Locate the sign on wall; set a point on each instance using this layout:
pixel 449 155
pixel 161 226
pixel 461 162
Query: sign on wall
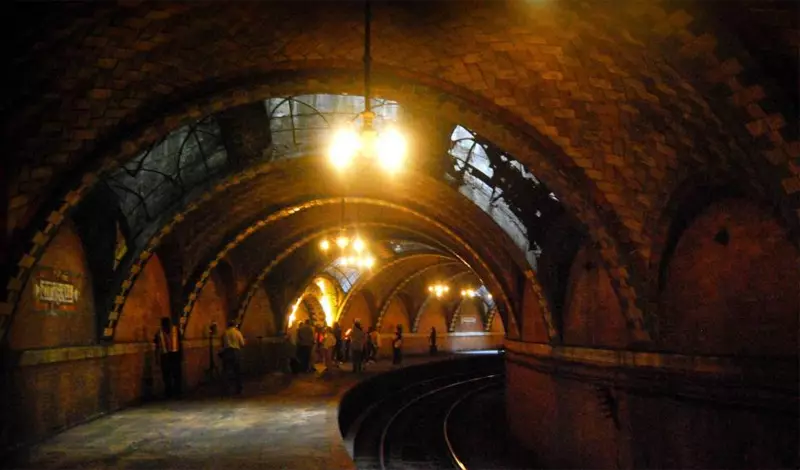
pixel 468 319
pixel 55 289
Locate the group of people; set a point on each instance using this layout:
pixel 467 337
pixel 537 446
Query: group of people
pixel 334 346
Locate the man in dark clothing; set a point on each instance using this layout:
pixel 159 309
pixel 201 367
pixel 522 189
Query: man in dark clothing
pixel 168 354
pixel 305 341
pixel 357 340
pixel 337 349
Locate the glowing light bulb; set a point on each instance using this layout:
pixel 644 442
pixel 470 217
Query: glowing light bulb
pixel 430 288
pixel 344 147
pixel 324 245
pixel 489 296
pixel 342 241
pixel 358 245
pixel 370 261
pixel 391 149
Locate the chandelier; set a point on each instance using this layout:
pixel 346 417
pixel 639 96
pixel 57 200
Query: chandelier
pixel 469 293
pixel 439 289
pixel 388 147
pixel 351 250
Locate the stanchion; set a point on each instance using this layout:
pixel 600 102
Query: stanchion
pixel 212 373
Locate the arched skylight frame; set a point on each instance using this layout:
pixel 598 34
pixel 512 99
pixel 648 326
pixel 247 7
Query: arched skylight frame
pixel 302 122
pixel 474 172
pixel 346 276
pixel 168 174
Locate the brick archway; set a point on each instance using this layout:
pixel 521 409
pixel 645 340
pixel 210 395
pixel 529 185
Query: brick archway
pixel 555 93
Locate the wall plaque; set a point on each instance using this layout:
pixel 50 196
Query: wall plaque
pixel 468 319
pixel 55 289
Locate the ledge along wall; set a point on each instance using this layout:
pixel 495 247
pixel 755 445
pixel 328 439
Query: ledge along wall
pixel 56 374
pixel 719 387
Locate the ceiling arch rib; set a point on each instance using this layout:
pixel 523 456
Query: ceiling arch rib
pixel 487 305
pixel 246 203
pixel 402 284
pixel 315 270
pixel 386 268
pixel 75 196
pixel 266 90
pixel 178 75
pixel 288 251
pixel 429 297
pixel 463 246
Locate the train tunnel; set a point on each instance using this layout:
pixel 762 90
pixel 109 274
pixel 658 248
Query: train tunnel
pixel 608 193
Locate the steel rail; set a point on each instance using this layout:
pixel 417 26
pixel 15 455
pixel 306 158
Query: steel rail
pixel 385 432
pixel 453 456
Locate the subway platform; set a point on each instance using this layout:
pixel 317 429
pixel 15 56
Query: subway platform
pixel 279 422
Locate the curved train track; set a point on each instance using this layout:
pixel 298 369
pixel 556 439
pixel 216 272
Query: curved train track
pixel 408 429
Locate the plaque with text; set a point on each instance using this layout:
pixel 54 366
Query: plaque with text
pixel 55 290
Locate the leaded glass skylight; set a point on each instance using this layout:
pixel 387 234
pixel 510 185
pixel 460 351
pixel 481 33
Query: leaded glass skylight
pixel 302 122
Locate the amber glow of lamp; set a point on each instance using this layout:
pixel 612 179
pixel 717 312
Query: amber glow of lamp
pixel 388 147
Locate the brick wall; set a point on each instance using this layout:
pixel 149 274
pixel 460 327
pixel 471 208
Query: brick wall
pixel 358 308
pixel 555 407
pixel 147 303
pixel 396 314
pixel 259 319
pixel 415 344
pixel 469 318
pixel 592 315
pixel 48 325
pixel 560 419
pixel 433 314
pixel 533 327
pixel 732 285
pixel 210 306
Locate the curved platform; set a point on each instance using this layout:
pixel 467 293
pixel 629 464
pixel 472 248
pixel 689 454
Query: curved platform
pixel 279 422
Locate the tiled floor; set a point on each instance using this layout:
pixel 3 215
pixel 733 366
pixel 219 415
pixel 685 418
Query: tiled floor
pixel 280 422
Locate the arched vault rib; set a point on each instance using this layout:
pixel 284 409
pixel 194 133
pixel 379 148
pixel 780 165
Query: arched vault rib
pixel 400 285
pixel 364 281
pixel 639 31
pixel 287 252
pixel 457 313
pixel 421 309
pixel 286 212
pixel 517 142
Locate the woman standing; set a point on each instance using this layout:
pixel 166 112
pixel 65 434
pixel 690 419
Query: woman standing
pixel 397 345
pixel 432 342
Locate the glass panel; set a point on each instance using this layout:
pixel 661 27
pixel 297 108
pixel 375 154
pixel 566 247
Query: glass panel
pixel 157 179
pixel 304 121
pixel 475 172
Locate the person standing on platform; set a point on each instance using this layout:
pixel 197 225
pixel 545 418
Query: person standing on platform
pixel 357 340
pixel 328 343
pixel 337 349
pixel 168 349
pixel 432 342
pixel 375 341
pixel 305 341
pixel 397 346
pixel 232 344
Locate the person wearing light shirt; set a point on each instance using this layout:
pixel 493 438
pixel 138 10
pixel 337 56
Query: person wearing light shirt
pixel 232 344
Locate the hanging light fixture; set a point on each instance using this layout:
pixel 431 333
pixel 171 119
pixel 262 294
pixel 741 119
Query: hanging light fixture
pixel 468 292
pixel 388 147
pixel 350 249
pixel 439 288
